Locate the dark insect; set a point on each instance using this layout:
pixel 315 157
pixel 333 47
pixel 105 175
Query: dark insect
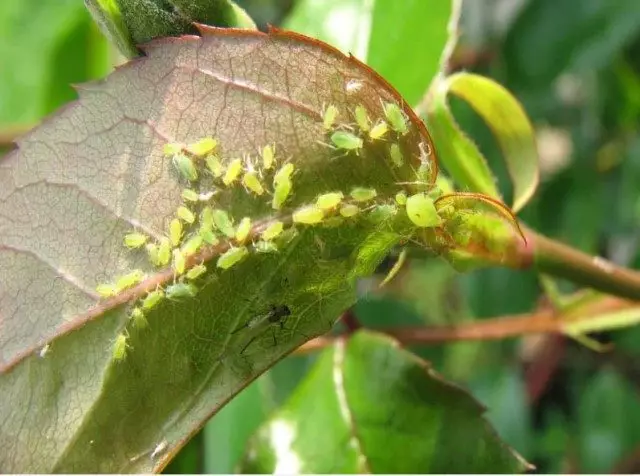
pixel 277 314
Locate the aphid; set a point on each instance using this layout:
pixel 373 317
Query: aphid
pixel 190 195
pixel 396 155
pixel 129 280
pixel 268 156
pixel 120 346
pixel 179 262
pixel 181 290
pixel 138 319
pixel 44 351
pixel 202 147
pixel 214 165
pixel 272 231
pixel 362 118
pixel 231 257
pixel 135 240
pixel 242 232
pixel 192 245
pixel 175 232
pixel 206 196
pixel 106 290
pixel 346 141
pixel 251 181
pixel 265 247
pixel 223 222
pixel 152 253
pixel 159 449
pixel 152 299
pixel 185 215
pixel 184 166
pixel 164 251
pixel 196 272
pixel 329 201
pixel 379 130
pixel 353 86
pixel 396 117
pixel 349 210
pixel 421 211
pixel 206 217
pixel 284 173
pixel 172 149
pixel 329 116
pixel 234 169
pixel 309 215
pixel 275 315
pixel 401 198
pixel 208 236
pixel 360 194
pixel 281 193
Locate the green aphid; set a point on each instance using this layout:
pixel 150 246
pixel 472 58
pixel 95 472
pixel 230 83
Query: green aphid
pixel 242 232
pixel 422 211
pixel 265 247
pixel 396 155
pixel 135 240
pixel 202 147
pixel 164 252
pixel 184 166
pixel 179 262
pixel 329 117
pixel 329 201
pixel 195 272
pixel 120 346
pixel 379 130
pixel 401 198
pixel 281 192
pixel 175 232
pixel 395 117
pixel 106 290
pixel 362 118
pixel 214 165
pixel 251 181
pixel 284 173
pixel 272 231
pixel 268 156
pixel 333 222
pixel 360 194
pixel 152 299
pixel 189 195
pixel 206 217
pixel 129 280
pixel 234 169
pixel 192 245
pixel 186 215
pixel 138 318
pixel 346 141
pixel 223 222
pixel 208 236
pixel 153 253
pixel 172 148
pixel 181 290
pixel 231 257
pixel 349 210
pixel 309 215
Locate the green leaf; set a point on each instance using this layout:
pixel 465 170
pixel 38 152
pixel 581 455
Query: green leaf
pixel 98 170
pixel 407 40
pixel 509 124
pixel 370 407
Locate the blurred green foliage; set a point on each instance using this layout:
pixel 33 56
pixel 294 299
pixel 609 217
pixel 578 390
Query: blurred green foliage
pixel 576 68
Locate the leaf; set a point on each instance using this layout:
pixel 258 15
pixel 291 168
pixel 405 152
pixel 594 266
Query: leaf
pixel 509 124
pixel 97 171
pixel 369 407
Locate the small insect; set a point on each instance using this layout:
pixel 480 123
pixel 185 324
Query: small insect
pixel 189 195
pixel 396 155
pixel 349 210
pixel 242 232
pixel 206 217
pixel 346 141
pixel 206 196
pixel 135 240
pixel 283 173
pixel 129 280
pixel 172 148
pixel 353 86
pixel 106 290
pixel 208 236
pixel 184 166
pixel 277 314
pixel 265 247
pixel 185 215
pixel 379 130
pixel 281 193
pixel 422 211
pixel 181 290
pixel 329 117
pixel 309 215
pixel 179 262
pixel 120 346
pixel 362 118
pixel 138 318
pixel 401 198
pixel 272 231
pixel 202 147
pixel 152 299
pixel 251 181
pixel 195 272
pixel 231 257
pixel 164 251
pixel 360 194
pixel 175 232
pixel 268 156
pixel 44 351
pixel 234 169
pixel 192 245
pixel 159 449
pixel 329 201
pixel 214 165
pixel 223 222
pixel 396 117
